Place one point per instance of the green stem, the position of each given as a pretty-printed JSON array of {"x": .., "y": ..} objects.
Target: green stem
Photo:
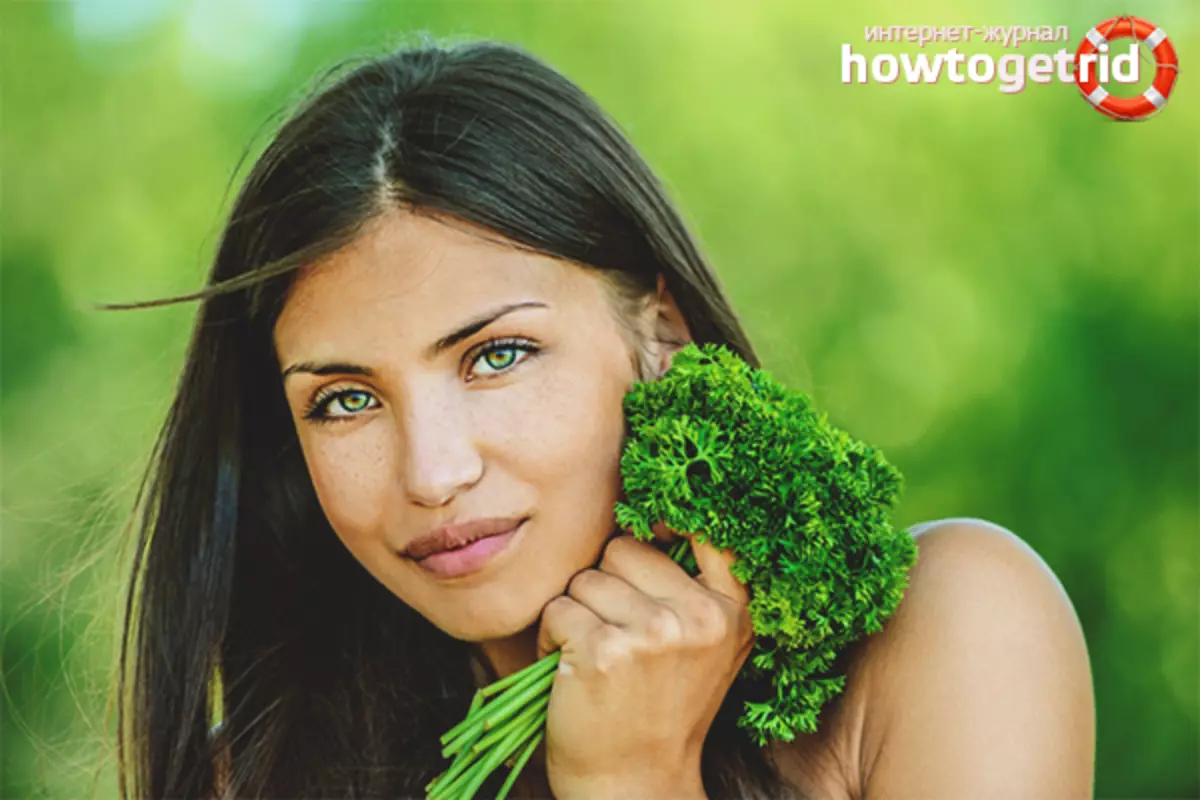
[
  {"x": 530, "y": 714},
  {"x": 533, "y": 671},
  {"x": 681, "y": 554},
  {"x": 463, "y": 742},
  {"x": 496, "y": 758},
  {"x": 512, "y": 683},
  {"x": 506, "y": 705},
  {"x": 469, "y": 728},
  {"x": 463, "y": 775},
  {"x": 478, "y": 766},
  {"x": 498, "y": 711},
  {"x": 678, "y": 550},
  {"x": 463, "y": 763},
  {"x": 520, "y": 765},
  {"x": 509, "y": 719}
]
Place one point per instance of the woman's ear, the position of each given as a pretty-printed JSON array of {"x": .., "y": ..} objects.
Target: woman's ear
[{"x": 668, "y": 331}]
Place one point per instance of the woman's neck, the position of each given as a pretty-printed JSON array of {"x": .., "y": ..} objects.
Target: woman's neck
[{"x": 511, "y": 654}]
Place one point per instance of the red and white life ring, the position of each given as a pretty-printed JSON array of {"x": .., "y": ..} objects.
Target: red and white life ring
[{"x": 1149, "y": 101}]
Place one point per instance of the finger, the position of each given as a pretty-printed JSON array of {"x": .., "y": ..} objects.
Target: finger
[
  {"x": 645, "y": 568},
  {"x": 611, "y": 598},
  {"x": 715, "y": 574},
  {"x": 663, "y": 533},
  {"x": 566, "y": 624}
]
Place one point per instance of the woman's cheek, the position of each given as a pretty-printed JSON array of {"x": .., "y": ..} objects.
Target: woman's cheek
[
  {"x": 571, "y": 450},
  {"x": 350, "y": 476},
  {"x": 549, "y": 427}
]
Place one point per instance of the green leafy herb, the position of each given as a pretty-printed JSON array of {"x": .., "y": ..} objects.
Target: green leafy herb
[{"x": 722, "y": 450}]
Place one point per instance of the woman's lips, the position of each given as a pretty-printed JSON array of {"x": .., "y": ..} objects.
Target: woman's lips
[{"x": 465, "y": 560}]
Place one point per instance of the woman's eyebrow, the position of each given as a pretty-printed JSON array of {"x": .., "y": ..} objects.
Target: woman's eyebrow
[
  {"x": 442, "y": 344},
  {"x": 478, "y": 324},
  {"x": 326, "y": 369}
]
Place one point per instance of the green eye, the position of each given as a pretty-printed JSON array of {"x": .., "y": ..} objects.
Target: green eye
[
  {"x": 340, "y": 404},
  {"x": 354, "y": 401},
  {"x": 507, "y": 355},
  {"x": 500, "y": 355}
]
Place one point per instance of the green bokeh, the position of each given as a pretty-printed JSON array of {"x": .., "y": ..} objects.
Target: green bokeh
[{"x": 998, "y": 290}]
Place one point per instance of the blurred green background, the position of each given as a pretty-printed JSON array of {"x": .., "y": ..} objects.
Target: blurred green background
[{"x": 998, "y": 290}]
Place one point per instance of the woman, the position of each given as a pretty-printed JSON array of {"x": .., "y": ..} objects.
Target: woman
[{"x": 388, "y": 475}]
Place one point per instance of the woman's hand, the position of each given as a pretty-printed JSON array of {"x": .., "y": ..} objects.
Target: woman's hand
[{"x": 648, "y": 653}]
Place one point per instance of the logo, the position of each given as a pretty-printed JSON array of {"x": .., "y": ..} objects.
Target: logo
[
  {"x": 1091, "y": 68},
  {"x": 1097, "y": 60}
]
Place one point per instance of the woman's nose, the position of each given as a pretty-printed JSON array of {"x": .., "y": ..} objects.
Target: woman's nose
[{"x": 440, "y": 458}]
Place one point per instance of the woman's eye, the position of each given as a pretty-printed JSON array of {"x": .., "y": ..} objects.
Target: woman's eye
[
  {"x": 501, "y": 355},
  {"x": 345, "y": 403}
]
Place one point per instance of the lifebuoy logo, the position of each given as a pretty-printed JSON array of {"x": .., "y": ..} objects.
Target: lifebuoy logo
[
  {"x": 1095, "y": 62},
  {"x": 1096, "y": 44}
]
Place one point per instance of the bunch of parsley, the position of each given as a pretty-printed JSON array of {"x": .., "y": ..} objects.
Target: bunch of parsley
[{"x": 720, "y": 449}]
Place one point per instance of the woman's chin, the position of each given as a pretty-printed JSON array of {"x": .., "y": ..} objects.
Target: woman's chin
[{"x": 494, "y": 628}]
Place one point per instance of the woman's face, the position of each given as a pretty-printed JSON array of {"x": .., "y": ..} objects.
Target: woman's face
[{"x": 436, "y": 379}]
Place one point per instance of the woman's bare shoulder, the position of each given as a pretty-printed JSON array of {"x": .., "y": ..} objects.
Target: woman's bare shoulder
[{"x": 978, "y": 686}]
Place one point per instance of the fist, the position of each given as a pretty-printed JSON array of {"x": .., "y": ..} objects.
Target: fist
[{"x": 648, "y": 654}]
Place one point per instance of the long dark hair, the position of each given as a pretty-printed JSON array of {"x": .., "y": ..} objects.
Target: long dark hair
[{"x": 330, "y": 685}]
